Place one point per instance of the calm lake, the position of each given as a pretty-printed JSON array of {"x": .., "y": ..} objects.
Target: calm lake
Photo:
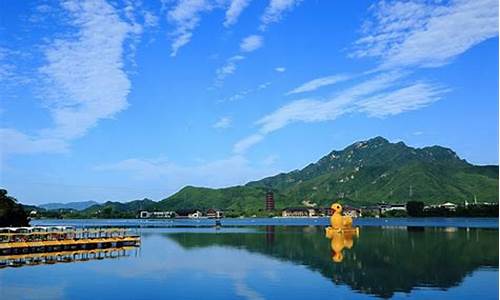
[{"x": 276, "y": 259}]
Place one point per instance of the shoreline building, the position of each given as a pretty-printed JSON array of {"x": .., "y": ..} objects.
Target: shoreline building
[
  {"x": 144, "y": 214},
  {"x": 213, "y": 213},
  {"x": 298, "y": 212},
  {"x": 269, "y": 201}
]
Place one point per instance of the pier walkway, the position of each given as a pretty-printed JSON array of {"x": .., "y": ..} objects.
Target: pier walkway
[{"x": 22, "y": 240}]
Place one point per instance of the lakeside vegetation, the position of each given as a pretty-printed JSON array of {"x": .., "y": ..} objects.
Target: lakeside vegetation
[
  {"x": 12, "y": 214},
  {"x": 415, "y": 209}
]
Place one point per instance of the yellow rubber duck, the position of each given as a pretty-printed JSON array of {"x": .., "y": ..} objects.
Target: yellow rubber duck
[
  {"x": 339, "y": 222},
  {"x": 336, "y": 220},
  {"x": 340, "y": 232}
]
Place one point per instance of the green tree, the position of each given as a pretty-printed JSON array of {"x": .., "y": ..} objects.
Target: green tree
[
  {"x": 11, "y": 212},
  {"x": 415, "y": 208}
]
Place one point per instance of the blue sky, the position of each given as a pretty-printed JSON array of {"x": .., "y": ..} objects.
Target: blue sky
[{"x": 120, "y": 100}]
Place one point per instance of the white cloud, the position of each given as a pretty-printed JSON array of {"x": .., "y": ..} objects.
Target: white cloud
[
  {"x": 264, "y": 85},
  {"x": 227, "y": 69},
  {"x": 11, "y": 72},
  {"x": 275, "y": 10},
  {"x": 234, "y": 11},
  {"x": 150, "y": 19},
  {"x": 15, "y": 142},
  {"x": 83, "y": 78},
  {"x": 273, "y": 13},
  {"x": 305, "y": 110},
  {"x": 395, "y": 102},
  {"x": 426, "y": 34},
  {"x": 6, "y": 68},
  {"x": 318, "y": 82},
  {"x": 280, "y": 69},
  {"x": 222, "y": 123},
  {"x": 312, "y": 110},
  {"x": 246, "y": 92},
  {"x": 251, "y": 43},
  {"x": 400, "y": 34},
  {"x": 377, "y": 97},
  {"x": 244, "y": 144},
  {"x": 185, "y": 16}
]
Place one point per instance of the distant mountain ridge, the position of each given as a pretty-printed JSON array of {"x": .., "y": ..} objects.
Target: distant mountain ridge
[
  {"x": 71, "y": 205},
  {"x": 363, "y": 173}
]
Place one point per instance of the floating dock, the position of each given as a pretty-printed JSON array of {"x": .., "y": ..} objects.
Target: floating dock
[{"x": 24, "y": 240}]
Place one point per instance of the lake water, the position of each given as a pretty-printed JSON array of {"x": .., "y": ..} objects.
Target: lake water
[{"x": 287, "y": 259}]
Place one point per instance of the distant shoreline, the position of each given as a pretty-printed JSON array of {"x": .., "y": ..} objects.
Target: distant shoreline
[{"x": 402, "y": 223}]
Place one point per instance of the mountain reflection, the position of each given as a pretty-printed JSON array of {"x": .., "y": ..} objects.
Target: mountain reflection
[{"x": 382, "y": 261}]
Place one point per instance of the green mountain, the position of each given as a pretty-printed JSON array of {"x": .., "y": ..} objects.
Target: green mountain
[
  {"x": 118, "y": 209},
  {"x": 238, "y": 198},
  {"x": 71, "y": 205},
  {"x": 363, "y": 173}
]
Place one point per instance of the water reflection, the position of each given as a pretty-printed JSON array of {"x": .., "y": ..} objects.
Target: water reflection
[
  {"x": 276, "y": 262},
  {"x": 383, "y": 262},
  {"x": 49, "y": 258},
  {"x": 340, "y": 240},
  {"x": 340, "y": 232}
]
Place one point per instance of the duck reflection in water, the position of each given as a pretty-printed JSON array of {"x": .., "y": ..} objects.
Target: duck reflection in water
[{"x": 341, "y": 232}]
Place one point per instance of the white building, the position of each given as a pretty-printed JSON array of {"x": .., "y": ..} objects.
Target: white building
[
  {"x": 195, "y": 215},
  {"x": 156, "y": 214}
]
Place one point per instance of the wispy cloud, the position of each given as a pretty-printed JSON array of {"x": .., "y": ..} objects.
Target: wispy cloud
[
  {"x": 422, "y": 34},
  {"x": 185, "y": 16},
  {"x": 314, "y": 110},
  {"x": 280, "y": 69},
  {"x": 246, "y": 92},
  {"x": 251, "y": 43},
  {"x": 401, "y": 35},
  {"x": 222, "y": 123},
  {"x": 15, "y": 142},
  {"x": 150, "y": 19},
  {"x": 243, "y": 145},
  {"x": 234, "y": 11},
  {"x": 275, "y": 10},
  {"x": 412, "y": 97},
  {"x": 272, "y": 14},
  {"x": 227, "y": 69},
  {"x": 79, "y": 95},
  {"x": 248, "y": 44},
  {"x": 82, "y": 79},
  {"x": 318, "y": 83},
  {"x": 380, "y": 96},
  {"x": 6, "y": 67}
]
